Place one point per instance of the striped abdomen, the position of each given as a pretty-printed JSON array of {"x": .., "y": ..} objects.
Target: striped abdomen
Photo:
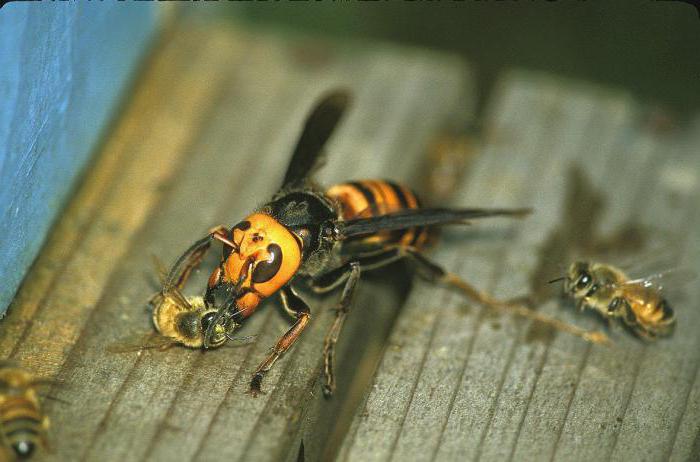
[
  {"x": 369, "y": 198},
  {"x": 22, "y": 424}
]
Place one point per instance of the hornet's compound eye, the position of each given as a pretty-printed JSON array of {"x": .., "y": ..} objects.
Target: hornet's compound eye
[{"x": 266, "y": 269}]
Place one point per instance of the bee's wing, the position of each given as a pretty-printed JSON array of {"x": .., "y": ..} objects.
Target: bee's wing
[
  {"x": 650, "y": 260},
  {"x": 664, "y": 280},
  {"x": 317, "y": 129},
  {"x": 138, "y": 342},
  {"x": 161, "y": 270},
  {"x": 420, "y": 217}
]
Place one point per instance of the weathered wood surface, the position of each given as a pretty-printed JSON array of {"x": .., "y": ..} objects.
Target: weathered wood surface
[
  {"x": 205, "y": 140},
  {"x": 459, "y": 382}
]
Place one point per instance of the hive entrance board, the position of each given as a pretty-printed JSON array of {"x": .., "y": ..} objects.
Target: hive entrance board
[
  {"x": 205, "y": 139},
  {"x": 462, "y": 383}
]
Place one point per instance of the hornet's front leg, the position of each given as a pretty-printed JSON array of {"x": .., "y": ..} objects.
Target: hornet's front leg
[
  {"x": 192, "y": 257},
  {"x": 297, "y": 308}
]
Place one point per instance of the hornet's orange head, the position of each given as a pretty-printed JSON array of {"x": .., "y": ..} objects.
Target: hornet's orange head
[{"x": 265, "y": 257}]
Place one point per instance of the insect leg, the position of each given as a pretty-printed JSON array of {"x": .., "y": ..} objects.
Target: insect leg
[
  {"x": 350, "y": 274},
  {"x": 353, "y": 275},
  {"x": 435, "y": 273},
  {"x": 630, "y": 319},
  {"x": 192, "y": 257},
  {"x": 295, "y": 306},
  {"x": 369, "y": 261}
]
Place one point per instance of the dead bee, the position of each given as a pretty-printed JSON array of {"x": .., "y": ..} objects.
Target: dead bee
[
  {"x": 178, "y": 319},
  {"x": 639, "y": 303},
  {"x": 23, "y": 425}
]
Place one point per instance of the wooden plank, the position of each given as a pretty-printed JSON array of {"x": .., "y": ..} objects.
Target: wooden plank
[
  {"x": 687, "y": 443},
  {"x": 562, "y": 362},
  {"x": 431, "y": 330},
  {"x": 664, "y": 373},
  {"x": 191, "y": 152},
  {"x": 588, "y": 130},
  {"x": 462, "y": 383}
]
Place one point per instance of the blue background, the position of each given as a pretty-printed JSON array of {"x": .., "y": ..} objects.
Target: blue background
[{"x": 63, "y": 69}]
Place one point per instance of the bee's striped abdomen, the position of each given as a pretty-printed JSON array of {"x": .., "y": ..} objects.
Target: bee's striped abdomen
[
  {"x": 22, "y": 425},
  {"x": 370, "y": 198}
]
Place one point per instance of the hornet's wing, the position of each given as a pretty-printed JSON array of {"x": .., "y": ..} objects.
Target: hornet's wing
[
  {"x": 317, "y": 130},
  {"x": 420, "y": 217}
]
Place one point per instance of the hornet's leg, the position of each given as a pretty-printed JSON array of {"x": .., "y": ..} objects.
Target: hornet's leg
[
  {"x": 188, "y": 261},
  {"x": 369, "y": 261},
  {"x": 353, "y": 272},
  {"x": 350, "y": 274},
  {"x": 296, "y": 307},
  {"x": 435, "y": 273}
]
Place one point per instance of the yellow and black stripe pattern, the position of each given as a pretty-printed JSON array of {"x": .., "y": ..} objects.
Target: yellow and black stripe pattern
[
  {"x": 371, "y": 198},
  {"x": 22, "y": 424}
]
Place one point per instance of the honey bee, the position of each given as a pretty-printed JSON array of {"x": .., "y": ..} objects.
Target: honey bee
[
  {"x": 639, "y": 303},
  {"x": 177, "y": 319},
  {"x": 23, "y": 426}
]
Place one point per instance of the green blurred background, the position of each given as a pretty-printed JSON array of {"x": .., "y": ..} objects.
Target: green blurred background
[{"x": 647, "y": 47}]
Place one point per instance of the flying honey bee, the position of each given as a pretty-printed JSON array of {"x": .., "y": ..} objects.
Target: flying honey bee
[
  {"x": 639, "y": 303},
  {"x": 23, "y": 426}
]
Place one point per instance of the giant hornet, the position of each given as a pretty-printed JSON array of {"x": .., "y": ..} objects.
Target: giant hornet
[{"x": 326, "y": 237}]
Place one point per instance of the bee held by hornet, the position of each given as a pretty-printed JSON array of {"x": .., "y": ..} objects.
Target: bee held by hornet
[
  {"x": 326, "y": 238},
  {"x": 638, "y": 303},
  {"x": 177, "y": 319},
  {"x": 23, "y": 426}
]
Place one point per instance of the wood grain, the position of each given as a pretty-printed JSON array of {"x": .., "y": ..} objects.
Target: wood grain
[
  {"x": 422, "y": 373},
  {"x": 204, "y": 141},
  {"x": 461, "y": 383}
]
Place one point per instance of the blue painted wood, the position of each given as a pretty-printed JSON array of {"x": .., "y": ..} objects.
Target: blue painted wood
[{"x": 63, "y": 69}]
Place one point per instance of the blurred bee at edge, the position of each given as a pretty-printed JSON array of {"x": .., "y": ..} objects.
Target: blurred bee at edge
[{"x": 23, "y": 426}]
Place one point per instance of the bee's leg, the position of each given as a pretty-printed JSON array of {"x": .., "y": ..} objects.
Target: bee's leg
[
  {"x": 296, "y": 307},
  {"x": 435, "y": 273},
  {"x": 632, "y": 322},
  {"x": 353, "y": 275}
]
